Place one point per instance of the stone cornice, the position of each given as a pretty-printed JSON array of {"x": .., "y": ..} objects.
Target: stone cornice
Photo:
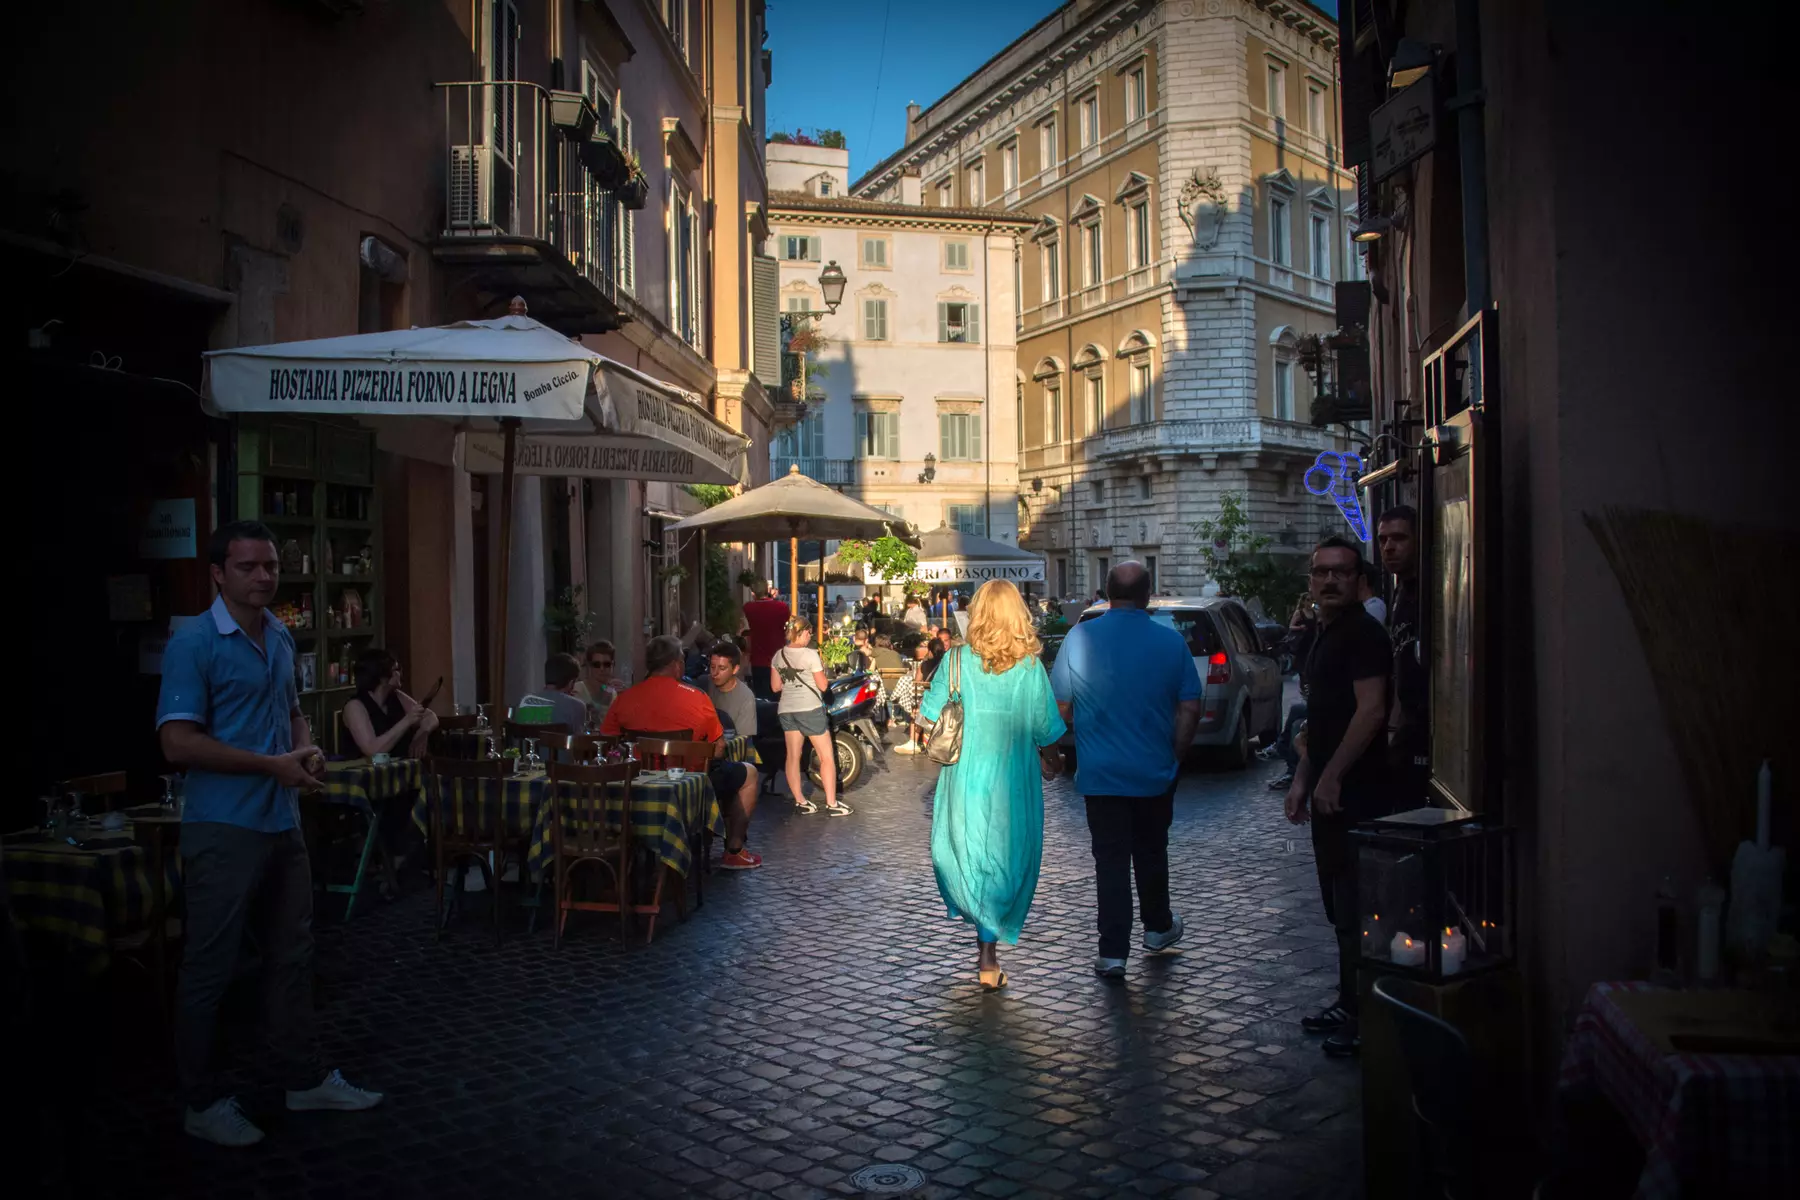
[
  {"x": 905, "y": 217},
  {"x": 1098, "y": 27}
]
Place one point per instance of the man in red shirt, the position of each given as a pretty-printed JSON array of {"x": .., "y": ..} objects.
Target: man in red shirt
[
  {"x": 662, "y": 703},
  {"x": 767, "y": 616}
]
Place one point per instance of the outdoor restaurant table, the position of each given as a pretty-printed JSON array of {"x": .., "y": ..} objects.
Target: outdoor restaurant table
[
  {"x": 85, "y": 897},
  {"x": 663, "y": 811},
  {"x": 1710, "y": 1122},
  {"x": 363, "y": 785},
  {"x": 742, "y": 749}
]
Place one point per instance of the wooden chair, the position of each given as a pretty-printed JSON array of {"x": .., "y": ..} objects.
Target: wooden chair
[
  {"x": 442, "y": 743},
  {"x": 487, "y": 836},
  {"x": 589, "y": 747},
  {"x": 656, "y": 753},
  {"x": 513, "y": 733},
  {"x": 580, "y": 836},
  {"x": 108, "y": 790}
]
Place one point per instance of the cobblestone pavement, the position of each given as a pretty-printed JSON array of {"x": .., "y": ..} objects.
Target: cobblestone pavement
[{"x": 816, "y": 1018}]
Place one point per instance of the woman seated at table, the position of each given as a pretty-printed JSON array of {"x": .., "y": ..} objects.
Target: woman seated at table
[{"x": 382, "y": 719}]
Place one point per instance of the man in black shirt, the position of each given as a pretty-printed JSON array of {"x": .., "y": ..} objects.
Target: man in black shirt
[
  {"x": 1341, "y": 771},
  {"x": 1409, "y": 743}
]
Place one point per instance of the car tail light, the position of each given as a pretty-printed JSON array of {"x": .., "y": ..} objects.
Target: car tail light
[{"x": 1218, "y": 668}]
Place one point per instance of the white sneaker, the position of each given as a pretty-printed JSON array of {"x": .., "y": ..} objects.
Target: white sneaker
[
  {"x": 334, "y": 1093},
  {"x": 222, "y": 1123},
  {"x": 907, "y": 747},
  {"x": 1155, "y": 942},
  {"x": 1109, "y": 968}
]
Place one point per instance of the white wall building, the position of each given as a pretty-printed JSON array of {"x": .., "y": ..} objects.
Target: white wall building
[{"x": 913, "y": 411}]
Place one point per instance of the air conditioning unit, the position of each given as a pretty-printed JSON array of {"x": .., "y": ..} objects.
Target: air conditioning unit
[{"x": 471, "y": 187}]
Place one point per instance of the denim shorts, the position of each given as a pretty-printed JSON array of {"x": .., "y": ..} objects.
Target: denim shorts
[{"x": 810, "y": 721}]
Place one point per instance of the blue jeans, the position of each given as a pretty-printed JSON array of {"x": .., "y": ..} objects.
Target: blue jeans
[{"x": 1284, "y": 745}]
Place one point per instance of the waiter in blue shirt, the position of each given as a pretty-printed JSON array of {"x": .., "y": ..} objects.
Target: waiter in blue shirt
[
  {"x": 1128, "y": 688},
  {"x": 229, "y": 715}
]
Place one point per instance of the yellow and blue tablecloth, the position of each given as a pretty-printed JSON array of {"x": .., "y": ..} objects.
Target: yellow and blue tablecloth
[
  {"x": 363, "y": 784},
  {"x": 87, "y": 897},
  {"x": 666, "y": 814}
]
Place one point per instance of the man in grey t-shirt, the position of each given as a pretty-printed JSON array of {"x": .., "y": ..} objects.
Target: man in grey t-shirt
[{"x": 735, "y": 702}]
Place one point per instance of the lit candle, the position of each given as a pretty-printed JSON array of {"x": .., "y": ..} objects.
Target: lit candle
[
  {"x": 1454, "y": 949},
  {"x": 1372, "y": 940},
  {"x": 1406, "y": 951}
]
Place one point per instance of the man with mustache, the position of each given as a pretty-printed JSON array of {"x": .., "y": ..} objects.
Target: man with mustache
[{"x": 1340, "y": 778}]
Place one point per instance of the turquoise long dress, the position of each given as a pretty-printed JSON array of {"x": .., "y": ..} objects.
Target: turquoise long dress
[{"x": 987, "y": 828}]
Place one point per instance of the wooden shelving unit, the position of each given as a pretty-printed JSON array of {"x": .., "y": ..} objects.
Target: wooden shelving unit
[{"x": 313, "y": 483}]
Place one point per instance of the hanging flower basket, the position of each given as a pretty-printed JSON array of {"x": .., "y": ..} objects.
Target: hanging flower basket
[{"x": 635, "y": 192}]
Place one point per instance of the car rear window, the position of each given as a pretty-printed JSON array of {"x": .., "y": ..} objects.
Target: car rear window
[{"x": 1194, "y": 626}]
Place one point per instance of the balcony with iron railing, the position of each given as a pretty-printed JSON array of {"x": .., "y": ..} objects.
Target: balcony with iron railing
[
  {"x": 534, "y": 188},
  {"x": 837, "y": 472}
]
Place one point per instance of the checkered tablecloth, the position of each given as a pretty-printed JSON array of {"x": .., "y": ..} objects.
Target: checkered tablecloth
[
  {"x": 742, "y": 749},
  {"x": 363, "y": 784},
  {"x": 665, "y": 814},
  {"x": 1710, "y": 1124},
  {"x": 84, "y": 897}
]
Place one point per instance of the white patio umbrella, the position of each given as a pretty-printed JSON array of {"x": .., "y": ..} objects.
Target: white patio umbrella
[
  {"x": 796, "y": 506},
  {"x": 505, "y": 374}
]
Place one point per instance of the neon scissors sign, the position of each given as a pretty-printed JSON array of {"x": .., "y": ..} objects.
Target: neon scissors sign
[{"x": 1334, "y": 474}]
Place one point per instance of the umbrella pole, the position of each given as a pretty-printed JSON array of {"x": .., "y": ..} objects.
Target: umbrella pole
[
  {"x": 819, "y": 639},
  {"x": 794, "y": 573},
  {"x": 497, "y": 684}
]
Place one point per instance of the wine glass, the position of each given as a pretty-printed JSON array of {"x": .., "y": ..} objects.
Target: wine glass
[
  {"x": 481, "y": 716},
  {"x": 168, "y": 796},
  {"x": 531, "y": 754},
  {"x": 51, "y": 804}
]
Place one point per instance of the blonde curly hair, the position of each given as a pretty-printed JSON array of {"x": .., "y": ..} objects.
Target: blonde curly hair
[{"x": 1000, "y": 628}]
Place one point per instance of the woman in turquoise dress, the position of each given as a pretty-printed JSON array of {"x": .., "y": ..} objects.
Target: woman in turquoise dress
[{"x": 987, "y": 828}]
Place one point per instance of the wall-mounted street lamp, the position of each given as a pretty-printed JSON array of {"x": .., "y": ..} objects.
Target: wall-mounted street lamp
[
  {"x": 1412, "y": 61},
  {"x": 831, "y": 282},
  {"x": 930, "y": 471},
  {"x": 1371, "y": 230}
]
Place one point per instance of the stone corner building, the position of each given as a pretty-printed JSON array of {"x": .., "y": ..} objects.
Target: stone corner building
[{"x": 1180, "y": 163}]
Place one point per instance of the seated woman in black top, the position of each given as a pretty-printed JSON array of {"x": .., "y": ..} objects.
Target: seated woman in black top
[{"x": 382, "y": 719}]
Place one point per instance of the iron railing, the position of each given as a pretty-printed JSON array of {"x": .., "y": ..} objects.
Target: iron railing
[{"x": 509, "y": 172}]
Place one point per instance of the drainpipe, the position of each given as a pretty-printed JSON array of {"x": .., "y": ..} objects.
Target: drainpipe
[
  {"x": 987, "y": 391},
  {"x": 1471, "y": 137}
]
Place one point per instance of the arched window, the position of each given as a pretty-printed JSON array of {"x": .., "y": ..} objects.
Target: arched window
[
  {"x": 1283, "y": 342},
  {"x": 1140, "y": 374},
  {"x": 1049, "y": 375}
]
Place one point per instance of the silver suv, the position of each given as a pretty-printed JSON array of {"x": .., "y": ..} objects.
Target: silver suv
[{"x": 1240, "y": 697}]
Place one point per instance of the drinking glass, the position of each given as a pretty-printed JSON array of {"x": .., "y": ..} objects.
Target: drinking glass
[
  {"x": 75, "y": 813},
  {"x": 481, "y": 716},
  {"x": 168, "y": 796},
  {"x": 531, "y": 754},
  {"x": 51, "y": 805}
]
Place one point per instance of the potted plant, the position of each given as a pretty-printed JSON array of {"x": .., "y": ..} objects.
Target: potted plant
[
  {"x": 634, "y": 193},
  {"x": 567, "y": 621},
  {"x": 574, "y": 114},
  {"x": 601, "y": 155}
]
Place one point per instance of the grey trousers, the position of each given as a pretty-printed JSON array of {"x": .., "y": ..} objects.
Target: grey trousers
[{"x": 233, "y": 879}]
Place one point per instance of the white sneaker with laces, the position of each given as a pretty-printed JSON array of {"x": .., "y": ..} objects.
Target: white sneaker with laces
[
  {"x": 1156, "y": 942},
  {"x": 1109, "y": 968},
  {"x": 335, "y": 1093},
  {"x": 222, "y": 1123},
  {"x": 907, "y": 747}
]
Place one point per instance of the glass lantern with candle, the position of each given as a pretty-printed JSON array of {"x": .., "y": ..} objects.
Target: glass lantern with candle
[{"x": 1434, "y": 893}]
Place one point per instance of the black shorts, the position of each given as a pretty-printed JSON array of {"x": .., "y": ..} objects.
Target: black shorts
[{"x": 727, "y": 777}]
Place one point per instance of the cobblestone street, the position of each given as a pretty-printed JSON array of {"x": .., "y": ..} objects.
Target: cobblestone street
[{"x": 817, "y": 1018}]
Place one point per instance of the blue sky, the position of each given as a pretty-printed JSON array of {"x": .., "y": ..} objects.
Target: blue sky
[{"x": 832, "y": 70}]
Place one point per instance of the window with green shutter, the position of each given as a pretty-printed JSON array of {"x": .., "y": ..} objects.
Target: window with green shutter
[
  {"x": 959, "y": 322},
  {"x": 956, "y": 256},
  {"x": 875, "y": 321},
  {"x": 959, "y": 437},
  {"x": 878, "y": 434}
]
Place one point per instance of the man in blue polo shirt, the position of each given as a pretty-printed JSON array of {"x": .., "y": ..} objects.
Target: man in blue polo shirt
[
  {"x": 1128, "y": 688},
  {"x": 229, "y": 714}
]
